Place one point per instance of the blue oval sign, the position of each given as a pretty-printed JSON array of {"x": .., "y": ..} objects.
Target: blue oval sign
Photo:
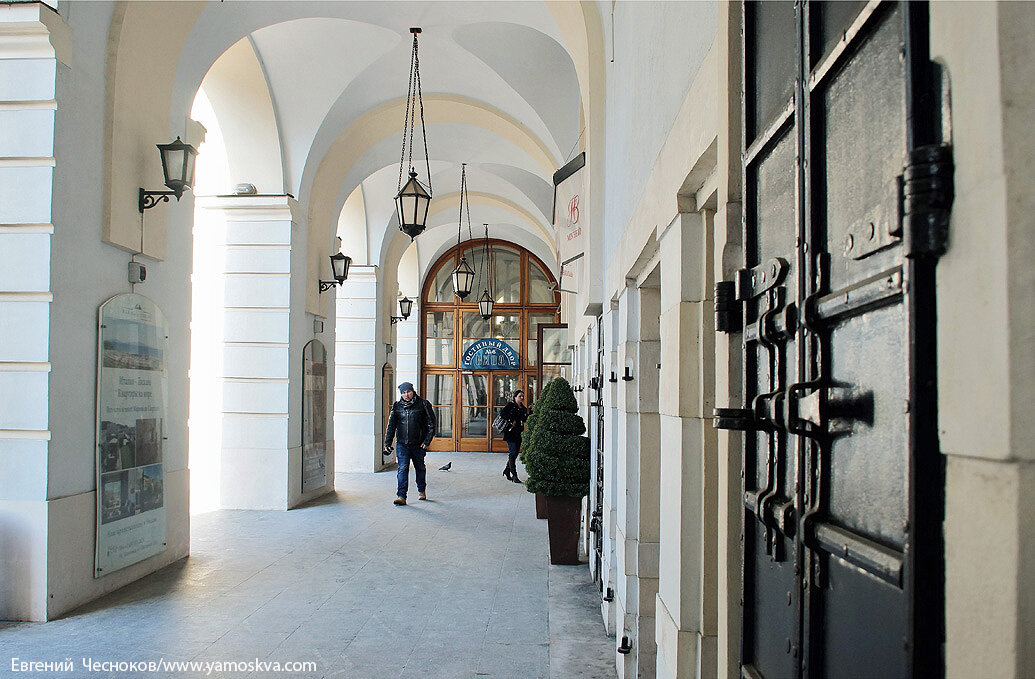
[{"x": 490, "y": 354}]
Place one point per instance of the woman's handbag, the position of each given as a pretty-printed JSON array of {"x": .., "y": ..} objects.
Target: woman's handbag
[{"x": 501, "y": 425}]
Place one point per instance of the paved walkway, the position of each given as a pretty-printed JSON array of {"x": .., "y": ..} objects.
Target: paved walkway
[{"x": 457, "y": 587}]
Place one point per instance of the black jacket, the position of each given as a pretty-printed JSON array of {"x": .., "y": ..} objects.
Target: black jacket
[
  {"x": 516, "y": 415},
  {"x": 413, "y": 423}
]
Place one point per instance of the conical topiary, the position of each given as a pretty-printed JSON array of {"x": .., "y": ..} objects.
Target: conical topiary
[{"x": 556, "y": 454}]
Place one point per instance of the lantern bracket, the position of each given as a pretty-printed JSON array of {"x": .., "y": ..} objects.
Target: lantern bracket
[{"x": 148, "y": 199}]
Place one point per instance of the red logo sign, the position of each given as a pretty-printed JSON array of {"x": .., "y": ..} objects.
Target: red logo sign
[{"x": 573, "y": 209}]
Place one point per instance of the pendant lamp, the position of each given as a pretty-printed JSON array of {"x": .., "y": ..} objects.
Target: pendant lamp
[
  {"x": 414, "y": 199},
  {"x": 463, "y": 274}
]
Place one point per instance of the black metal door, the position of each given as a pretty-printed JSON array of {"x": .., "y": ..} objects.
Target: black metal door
[{"x": 846, "y": 192}]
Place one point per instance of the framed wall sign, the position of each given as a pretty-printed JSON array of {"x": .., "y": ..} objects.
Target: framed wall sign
[{"x": 132, "y": 392}]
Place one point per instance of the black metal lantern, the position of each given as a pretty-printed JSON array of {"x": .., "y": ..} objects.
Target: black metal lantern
[
  {"x": 405, "y": 307},
  {"x": 413, "y": 199},
  {"x": 339, "y": 269},
  {"x": 411, "y": 205},
  {"x": 485, "y": 303},
  {"x": 463, "y": 279},
  {"x": 463, "y": 274},
  {"x": 178, "y": 165},
  {"x": 178, "y": 171}
]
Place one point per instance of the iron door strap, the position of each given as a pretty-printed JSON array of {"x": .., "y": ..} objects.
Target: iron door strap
[{"x": 746, "y": 284}]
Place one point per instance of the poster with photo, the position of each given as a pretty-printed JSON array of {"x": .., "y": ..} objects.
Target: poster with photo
[
  {"x": 314, "y": 416},
  {"x": 132, "y": 384}
]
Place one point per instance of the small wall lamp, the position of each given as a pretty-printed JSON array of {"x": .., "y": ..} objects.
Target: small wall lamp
[
  {"x": 405, "y": 307},
  {"x": 339, "y": 269},
  {"x": 178, "y": 170}
]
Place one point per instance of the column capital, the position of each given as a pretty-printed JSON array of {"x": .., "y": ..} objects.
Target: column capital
[
  {"x": 254, "y": 207},
  {"x": 34, "y": 31}
]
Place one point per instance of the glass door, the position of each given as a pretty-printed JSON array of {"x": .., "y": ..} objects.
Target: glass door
[
  {"x": 503, "y": 387},
  {"x": 474, "y": 411},
  {"x": 438, "y": 390}
]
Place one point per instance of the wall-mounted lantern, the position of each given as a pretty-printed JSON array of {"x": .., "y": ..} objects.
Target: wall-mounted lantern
[
  {"x": 339, "y": 269},
  {"x": 178, "y": 170},
  {"x": 405, "y": 307}
]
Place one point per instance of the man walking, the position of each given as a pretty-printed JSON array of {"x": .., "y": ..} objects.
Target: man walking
[{"x": 413, "y": 421}]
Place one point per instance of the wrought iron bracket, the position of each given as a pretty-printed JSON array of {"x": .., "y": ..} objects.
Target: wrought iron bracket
[
  {"x": 327, "y": 285},
  {"x": 148, "y": 199}
]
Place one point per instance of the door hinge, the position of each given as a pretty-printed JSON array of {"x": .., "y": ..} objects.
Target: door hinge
[
  {"x": 928, "y": 193},
  {"x": 727, "y": 308}
]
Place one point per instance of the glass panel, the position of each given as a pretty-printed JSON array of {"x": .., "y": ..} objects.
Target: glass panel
[
  {"x": 441, "y": 289},
  {"x": 539, "y": 291},
  {"x": 439, "y": 350},
  {"x": 474, "y": 423},
  {"x": 552, "y": 371},
  {"x": 439, "y": 389},
  {"x": 506, "y": 275},
  {"x": 533, "y": 391},
  {"x": 475, "y": 328},
  {"x": 555, "y": 345},
  {"x": 503, "y": 388},
  {"x": 475, "y": 390},
  {"x": 444, "y": 426},
  {"x": 507, "y": 327},
  {"x": 533, "y": 333}
]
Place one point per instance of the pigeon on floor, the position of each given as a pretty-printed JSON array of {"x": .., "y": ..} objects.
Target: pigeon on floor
[{"x": 445, "y": 467}]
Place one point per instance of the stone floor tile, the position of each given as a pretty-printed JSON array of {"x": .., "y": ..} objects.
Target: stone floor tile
[{"x": 456, "y": 588}]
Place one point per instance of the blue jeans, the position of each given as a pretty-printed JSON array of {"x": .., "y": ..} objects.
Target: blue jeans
[
  {"x": 404, "y": 454},
  {"x": 513, "y": 448}
]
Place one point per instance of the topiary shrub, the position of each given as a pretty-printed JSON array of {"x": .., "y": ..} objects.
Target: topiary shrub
[{"x": 556, "y": 455}]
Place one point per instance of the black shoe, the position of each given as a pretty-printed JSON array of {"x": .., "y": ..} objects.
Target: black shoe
[
  {"x": 516, "y": 479},
  {"x": 506, "y": 472}
]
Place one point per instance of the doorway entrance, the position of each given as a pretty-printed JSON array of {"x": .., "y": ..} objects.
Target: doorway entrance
[{"x": 470, "y": 366}]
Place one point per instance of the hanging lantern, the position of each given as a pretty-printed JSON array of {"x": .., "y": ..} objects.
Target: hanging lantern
[
  {"x": 463, "y": 274},
  {"x": 463, "y": 279},
  {"x": 413, "y": 199},
  {"x": 411, "y": 205},
  {"x": 485, "y": 305}
]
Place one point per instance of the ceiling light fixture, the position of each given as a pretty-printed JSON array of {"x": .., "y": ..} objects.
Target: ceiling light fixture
[
  {"x": 463, "y": 274},
  {"x": 413, "y": 199}
]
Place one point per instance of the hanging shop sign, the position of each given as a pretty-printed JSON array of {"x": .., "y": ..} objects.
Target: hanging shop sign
[
  {"x": 570, "y": 211},
  {"x": 314, "y": 416},
  {"x": 132, "y": 390},
  {"x": 490, "y": 354}
]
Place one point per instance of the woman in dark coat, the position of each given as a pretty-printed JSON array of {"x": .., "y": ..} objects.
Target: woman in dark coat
[{"x": 515, "y": 413}]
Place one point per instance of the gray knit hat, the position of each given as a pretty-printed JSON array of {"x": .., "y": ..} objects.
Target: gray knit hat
[{"x": 405, "y": 386}]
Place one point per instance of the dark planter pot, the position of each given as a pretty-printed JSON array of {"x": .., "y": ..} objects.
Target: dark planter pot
[
  {"x": 564, "y": 522},
  {"x": 540, "y": 506}
]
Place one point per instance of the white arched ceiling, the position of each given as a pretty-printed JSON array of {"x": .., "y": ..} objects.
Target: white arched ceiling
[
  {"x": 308, "y": 63},
  {"x": 509, "y": 50},
  {"x": 237, "y": 91},
  {"x": 501, "y": 93},
  {"x": 410, "y": 273}
]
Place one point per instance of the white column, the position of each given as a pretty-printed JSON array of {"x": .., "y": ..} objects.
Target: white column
[
  {"x": 28, "y": 69},
  {"x": 357, "y": 411},
  {"x": 258, "y": 433},
  {"x": 686, "y": 603},
  {"x": 407, "y": 355}
]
